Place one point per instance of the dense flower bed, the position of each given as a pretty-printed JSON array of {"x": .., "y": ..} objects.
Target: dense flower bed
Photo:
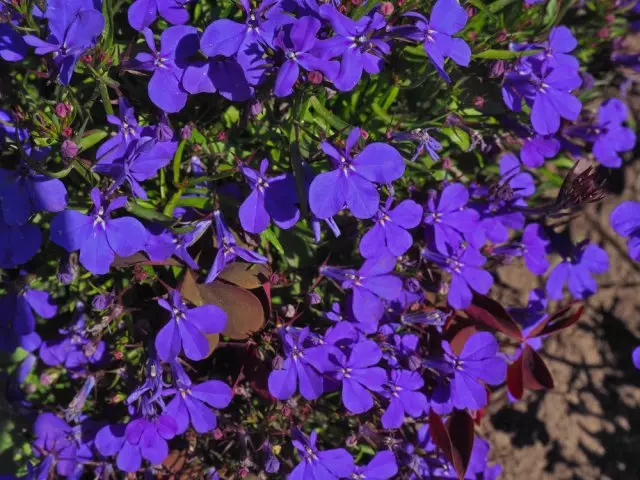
[{"x": 261, "y": 238}]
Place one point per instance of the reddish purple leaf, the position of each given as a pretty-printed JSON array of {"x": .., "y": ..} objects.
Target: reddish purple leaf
[
  {"x": 535, "y": 374},
  {"x": 489, "y": 312},
  {"x": 559, "y": 320},
  {"x": 461, "y": 433},
  {"x": 514, "y": 378}
]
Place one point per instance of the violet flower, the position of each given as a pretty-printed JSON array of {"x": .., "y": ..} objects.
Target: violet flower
[
  {"x": 537, "y": 148},
  {"x": 354, "y": 178},
  {"x": 228, "y": 250},
  {"x": 128, "y": 131},
  {"x": 625, "y": 221},
  {"x": 536, "y": 247},
  {"x": 98, "y": 237},
  {"x": 326, "y": 464},
  {"x": 404, "y": 398},
  {"x": 12, "y": 47},
  {"x": 143, "y": 13},
  {"x": 163, "y": 243},
  {"x": 186, "y": 329},
  {"x": 271, "y": 198},
  {"x": 189, "y": 403},
  {"x": 425, "y": 142},
  {"x": 370, "y": 285},
  {"x": 18, "y": 244},
  {"x": 389, "y": 234},
  {"x": 382, "y": 466},
  {"x": 168, "y": 63},
  {"x": 358, "y": 375}
]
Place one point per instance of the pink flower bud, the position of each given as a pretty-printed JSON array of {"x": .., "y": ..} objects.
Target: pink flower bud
[
  {"x": 69, "y": 149},
  {"x": 63, "y": 110},
  {"x": 315, "y": 77},
  {"x": 386, "y": 8}
]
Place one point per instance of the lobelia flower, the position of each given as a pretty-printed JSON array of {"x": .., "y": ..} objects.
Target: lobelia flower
[
  {"x": 153, "y": 386},
  {"x": 403, "y": 398},
  {"x": 536, "y": 247},
  {"x": 67, "y": 446},
  {"x": 425, "y": 142},
  {"x": 24, "y": 192},
  {"x": 168, "y": 64},
  {"x": 579, "y": 263},
  {"x": 296, "y": 40},
  {"x": 447, "y": 18},
  {"x": 326, "y": 464},
  {"x": 144, "y": 437},
  {"x": 18, "y": 320},
  {"x": 389, "y": 233},
  {"x": 358, "y": 375},
  {"x": 625, "y": 221},
  {"x": 449, "y": 219},
  {"x": 360, "y": 44},
  {"x": 479, "y": 360},
  {"x": 73, "y": 348},
  {"x": 465, "y": 265},
  {"x": 143, "y": 13},
  {"x": 140, "y": 161},
  {"x": 186, "y": 329},
  {"x": 163, "y": 243},
  {"x": 271, "y": 462},
  {"x": 189, "y": 404},
  {"x": 74, "y": 27},
  {"x": 316, "y": 223},
  {"x": 370, "y": 285},
  {"x": 354, "y": 178},
  {"x": 228, "y": 249},
  {"x": 272, "y": 198},
  {"x": 12, "y": 47},
  {"x": 635, "y": 357},
  {"x": 556, "y": 50},
  {"x": 18, "y": 244},
  {"x": 303, "y": 365},
  {"x": 609, "y": 135},
  {"x": 128, "y": 131},
  {"x": 382, "y": 466},
  {"x": 98, "y": 237}
]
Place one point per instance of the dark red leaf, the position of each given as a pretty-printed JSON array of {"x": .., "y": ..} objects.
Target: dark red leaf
[
  {"x": 439, "y": 434},
  {"x": 489, "y": 312},
  {"x": 461, "y": 337},
  {"x": 461, "y": 432},
  {"x": 535, "y": 374},
  {"x": 559, "y": 320},
  {"x": 514, "y": 378}
]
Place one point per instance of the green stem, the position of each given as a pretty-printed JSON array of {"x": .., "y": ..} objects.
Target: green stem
[{"x": 104, "y": 93}]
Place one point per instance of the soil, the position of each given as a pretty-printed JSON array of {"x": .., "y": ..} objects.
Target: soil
[{"x": 588, "y": 427}]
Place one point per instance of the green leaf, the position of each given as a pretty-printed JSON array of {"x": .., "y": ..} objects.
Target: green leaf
[
  {"x": 90, "y": 138},
  {"x": 146, "y": 213},
  {"x": 459, "y": 137},
  {"x": 327, "y": 116},
  {"x": 495, "y": 7},
  {"x": 107, "y": 33},
  {"x": 270, "y": 236},
  {"x": 202, "y": 203},
  {"x": 492, "y": 54},
  {"x": 177, "y": 162}
]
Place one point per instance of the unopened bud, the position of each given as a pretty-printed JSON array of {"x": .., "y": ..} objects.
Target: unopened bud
[
  {"x": 69, "y": 149},
  {"x": 386, "y": 8},
  {"x": 185, "y": 132},
  {"x": 63, "y": 110},
  {"x": 315, "y": 77}
]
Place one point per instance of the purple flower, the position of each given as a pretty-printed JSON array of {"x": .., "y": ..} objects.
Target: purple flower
[
  {"x": 228, "y": 250},
  {"x": 189, "y": 404},
  {"x": 296, "y": 40},
  {"x": 303, "y": 366},
  {"x": 73, "y": 348},
  {"x": 18, "y": 244},
  {"x": 163, "y": 243},
  {"x": 370, "y": 285},
  {"x": 24, "y": 192},
  {"x": 382, "y": 466},
  {"x": 144, "y": 437},
  {"x": 556, "y": 50},
  {"x": 403, "y": 398},
  {"x": 450, "y": 218},
  {"x": 128, "y": 131},
  {"x": 389, "y": 235},
  {"x": 140, "y": 161},
  {"x": 168, "y": 63},
  {"x": 74, "y": 27},
  {"x": 635, "y": 356},
  {"x": 57, "y": 439},
  {"x": 447, "y": 18},
  {"x": 326, "y": 464},
  {"x": 552, "y": 99},
  {"x": 536, "y": 246},
  {"x": 425, "y": 142},
  {"x": 625, "y": 220},
  {"x": 579, "y": 263},
  {"x": 354, "y": 178},
  {"x": 17, "y": 314},
  {"x": 272, "y": 198},
  {"x": 465, "y": 266},
  {"x": 360, "y": 44},
  {"x": 536, "y": 148},
  {"x": 12, "y": 47},
  {"x": 609, "y": 135},
  {"x": 186, "y": 329},
  {"x": 98, "y": 237},
  {"x": 143, "y": 13},
  {"x": 358, "y": 375},
  {"x": 479, "y": 360}
]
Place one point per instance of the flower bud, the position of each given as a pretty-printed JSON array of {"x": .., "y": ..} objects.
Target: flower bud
[
  {"x": 185, "y": 132},
  {"x": 69, "y": 149},
  {"x": 386, "y": 8},
  {"x": 102, "y": 301},
  {"x": 256, "y": 108},
  {"x": 315, "y": 77},
  {"x": 313, "y": 298},
  {"x": 63, "y": 110}
]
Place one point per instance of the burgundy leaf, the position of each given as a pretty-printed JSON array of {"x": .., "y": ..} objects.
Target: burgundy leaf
[
  {"x": 460, "y": 338},
  {"x": 461, "y": 433},
  {"x": 439, "y": 434},
  {"x": 559, "y": 320},
  {"x": 489, "y": 312},
  {"x": 535, "y": 374},
  {"x": 514, "y": 378}
]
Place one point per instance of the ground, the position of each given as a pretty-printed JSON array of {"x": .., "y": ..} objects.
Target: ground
[{"x": 588, "y": 427}]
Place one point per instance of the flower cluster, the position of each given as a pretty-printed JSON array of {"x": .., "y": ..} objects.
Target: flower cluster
[{"x": 227, "y": 334}]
